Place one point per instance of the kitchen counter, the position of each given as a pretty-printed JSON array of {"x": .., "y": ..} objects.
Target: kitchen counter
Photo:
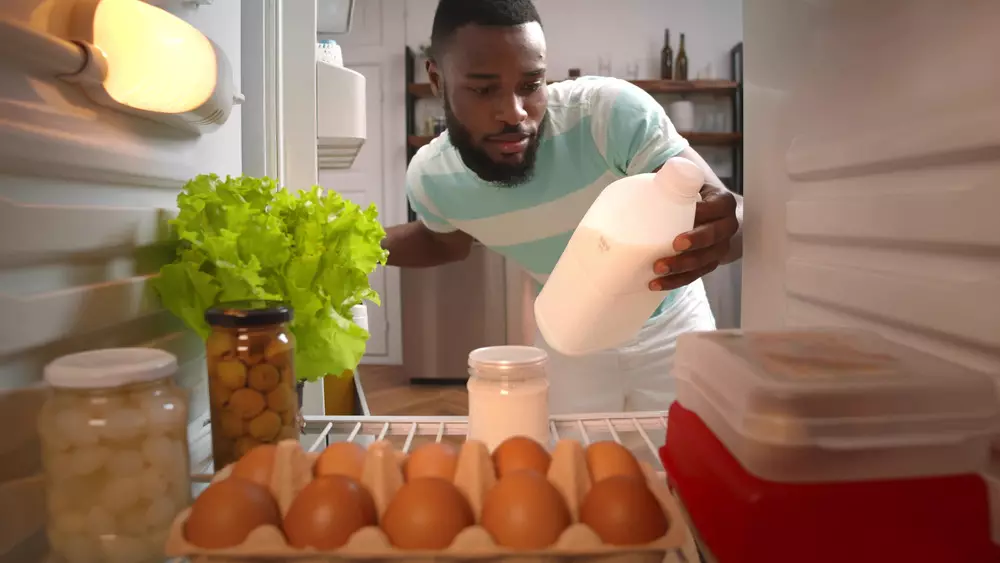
[{"x": 388, "y": 392}]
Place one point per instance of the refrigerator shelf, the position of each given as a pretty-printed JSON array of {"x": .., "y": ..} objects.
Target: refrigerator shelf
[{"x": 642, "y": 432}]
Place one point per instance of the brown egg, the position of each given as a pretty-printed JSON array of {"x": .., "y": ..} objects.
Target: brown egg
[
  {"x": 426, "y": 513},
  {"x": 622, "y": 510},
  {"x": 226, "y": 512},
  {"x": 257, "y": 465},
  {"x": 523, "y": 510},
  {"x": 432, "y": 460},
  {"x": 518, "y": 453},
  {"x": 327, "y": 512},
  {"x": 341, "y": 458},
  {"x": 607, "y": 459}
]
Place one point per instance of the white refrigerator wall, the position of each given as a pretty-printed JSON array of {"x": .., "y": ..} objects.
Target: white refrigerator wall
[
  {"x": 873, "y": 171},
  {"x": 872, "y": 139},
  {"x": 84, "y": 196}
]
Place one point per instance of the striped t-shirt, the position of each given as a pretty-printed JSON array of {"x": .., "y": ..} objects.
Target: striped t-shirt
[{"x": 598, "y": 130}]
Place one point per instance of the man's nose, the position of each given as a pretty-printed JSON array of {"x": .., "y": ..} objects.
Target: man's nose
[{"x": 511, "y": 110}]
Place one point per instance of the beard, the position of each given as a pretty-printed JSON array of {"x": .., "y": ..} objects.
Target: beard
[{"x": 476, "y": 159}]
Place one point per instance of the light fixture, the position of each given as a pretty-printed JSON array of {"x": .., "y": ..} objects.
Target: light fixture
[{"x": 135, "y": 58}]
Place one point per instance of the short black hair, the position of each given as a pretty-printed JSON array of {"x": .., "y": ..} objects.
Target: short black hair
[{"x": 454, "y": 14}]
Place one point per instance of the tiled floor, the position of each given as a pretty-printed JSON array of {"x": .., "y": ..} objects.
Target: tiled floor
[{"x": 389, "y": 392}]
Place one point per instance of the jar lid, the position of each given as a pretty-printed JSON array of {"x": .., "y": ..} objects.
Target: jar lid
[
  {"x": 507, "y": 357},
  {"x": 112, "y": 367},
  {"x": 245, "y": 314}
]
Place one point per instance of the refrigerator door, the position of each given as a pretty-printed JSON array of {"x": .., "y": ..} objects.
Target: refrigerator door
[{"x": 449, "y": 311}]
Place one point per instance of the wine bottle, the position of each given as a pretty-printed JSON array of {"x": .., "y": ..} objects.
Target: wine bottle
[
  {"x": 681, "y": 66},
  {"x": 666, "y": 58}
]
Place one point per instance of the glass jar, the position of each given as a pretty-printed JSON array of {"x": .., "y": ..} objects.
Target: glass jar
[
  {"x": 508, "y": 394},
  {"x": 115, "y": 454},
  {"x": 251, "y": 378}
]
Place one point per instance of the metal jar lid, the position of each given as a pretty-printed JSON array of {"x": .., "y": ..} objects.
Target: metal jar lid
[{"x": 247, "y": 314}]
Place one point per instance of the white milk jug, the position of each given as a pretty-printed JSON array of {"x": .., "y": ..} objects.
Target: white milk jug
[{"x": 598, "y": 295}]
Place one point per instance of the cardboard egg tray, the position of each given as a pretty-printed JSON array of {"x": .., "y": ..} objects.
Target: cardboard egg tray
[{"x": 474, "y": 476}]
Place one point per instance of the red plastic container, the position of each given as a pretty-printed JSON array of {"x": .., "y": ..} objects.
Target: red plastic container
[{"x": 744, "y": 519}]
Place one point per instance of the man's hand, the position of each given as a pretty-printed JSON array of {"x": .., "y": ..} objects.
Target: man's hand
[{"x": 702, "y": 249}]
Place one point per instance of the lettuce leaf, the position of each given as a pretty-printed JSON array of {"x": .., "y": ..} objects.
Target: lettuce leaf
[{"x": 246, "y": 238}]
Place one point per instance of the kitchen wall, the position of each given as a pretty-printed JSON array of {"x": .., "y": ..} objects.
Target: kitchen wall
[
  {"x": 627, "y": 31},
  {"x": 84, "y": 196}
]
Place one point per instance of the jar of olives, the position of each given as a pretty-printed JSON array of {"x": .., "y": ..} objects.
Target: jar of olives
[
  {"x": 115, "y": 453},
  {"x": 251, "y": 377}
]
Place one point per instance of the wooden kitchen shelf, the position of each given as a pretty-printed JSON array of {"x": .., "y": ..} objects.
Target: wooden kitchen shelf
[
  {"x": 693, "y": 137},
  {"x": 423, "y": 90},
  {"x": 686, "y": 86}
]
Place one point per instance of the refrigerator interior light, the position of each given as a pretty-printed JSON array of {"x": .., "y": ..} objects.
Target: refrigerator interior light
[{"x": 144, "y": 60}]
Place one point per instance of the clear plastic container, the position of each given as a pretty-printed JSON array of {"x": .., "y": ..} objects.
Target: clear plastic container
[
  {"x": 836, "y": 405},
  {"x": 598, "y": 295},
  {"x": 115, "y": 453},
  {"x": 508, "y": 394},
  {"x": 251, "y": 378}
]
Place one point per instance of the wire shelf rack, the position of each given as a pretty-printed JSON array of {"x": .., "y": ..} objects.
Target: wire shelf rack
[{"x": 641, "y": 432}]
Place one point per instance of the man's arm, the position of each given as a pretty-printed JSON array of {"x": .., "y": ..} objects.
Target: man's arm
[
  {"x": 430, "y": 240},
  {"x": 413, "y": 245}
]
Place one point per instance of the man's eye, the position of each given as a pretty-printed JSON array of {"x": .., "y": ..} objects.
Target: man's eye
[
  {"x": 481, "y": 91},
  {"x": 533, "y": 87}
]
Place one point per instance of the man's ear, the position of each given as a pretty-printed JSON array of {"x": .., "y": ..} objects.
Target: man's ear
[{"x": 434, "y": 75}]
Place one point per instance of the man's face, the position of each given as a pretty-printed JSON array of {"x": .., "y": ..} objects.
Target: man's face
[{"x": 493, "y": 83}]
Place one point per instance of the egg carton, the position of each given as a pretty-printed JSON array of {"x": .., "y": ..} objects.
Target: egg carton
[{"x": 474, "y": 475}]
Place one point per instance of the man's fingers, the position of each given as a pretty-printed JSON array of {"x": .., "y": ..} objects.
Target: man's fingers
[
  {"x": 691, "y": 260},
  {"x": 707, "y": 234},
  {"x": 680, "y": 280},
  {"x": 717, "y": 204},
  {"x": 702, "y": 236}
]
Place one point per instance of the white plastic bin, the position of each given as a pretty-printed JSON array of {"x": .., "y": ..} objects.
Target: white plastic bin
[{"x": 836, "y": 405}]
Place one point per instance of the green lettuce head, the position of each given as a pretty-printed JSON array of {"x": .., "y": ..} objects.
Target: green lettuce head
[{"x": 246, "y": 238}]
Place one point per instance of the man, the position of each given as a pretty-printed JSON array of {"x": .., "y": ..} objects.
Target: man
[{"x": 520, "y": 164}]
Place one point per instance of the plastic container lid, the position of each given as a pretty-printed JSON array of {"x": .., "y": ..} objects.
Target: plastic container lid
[
  {"x": 247, "y": 314},
  {"x": 835, "y": 393},
  {"x": 506, "y": 360},
  {"x": 113, "y": 367}
]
